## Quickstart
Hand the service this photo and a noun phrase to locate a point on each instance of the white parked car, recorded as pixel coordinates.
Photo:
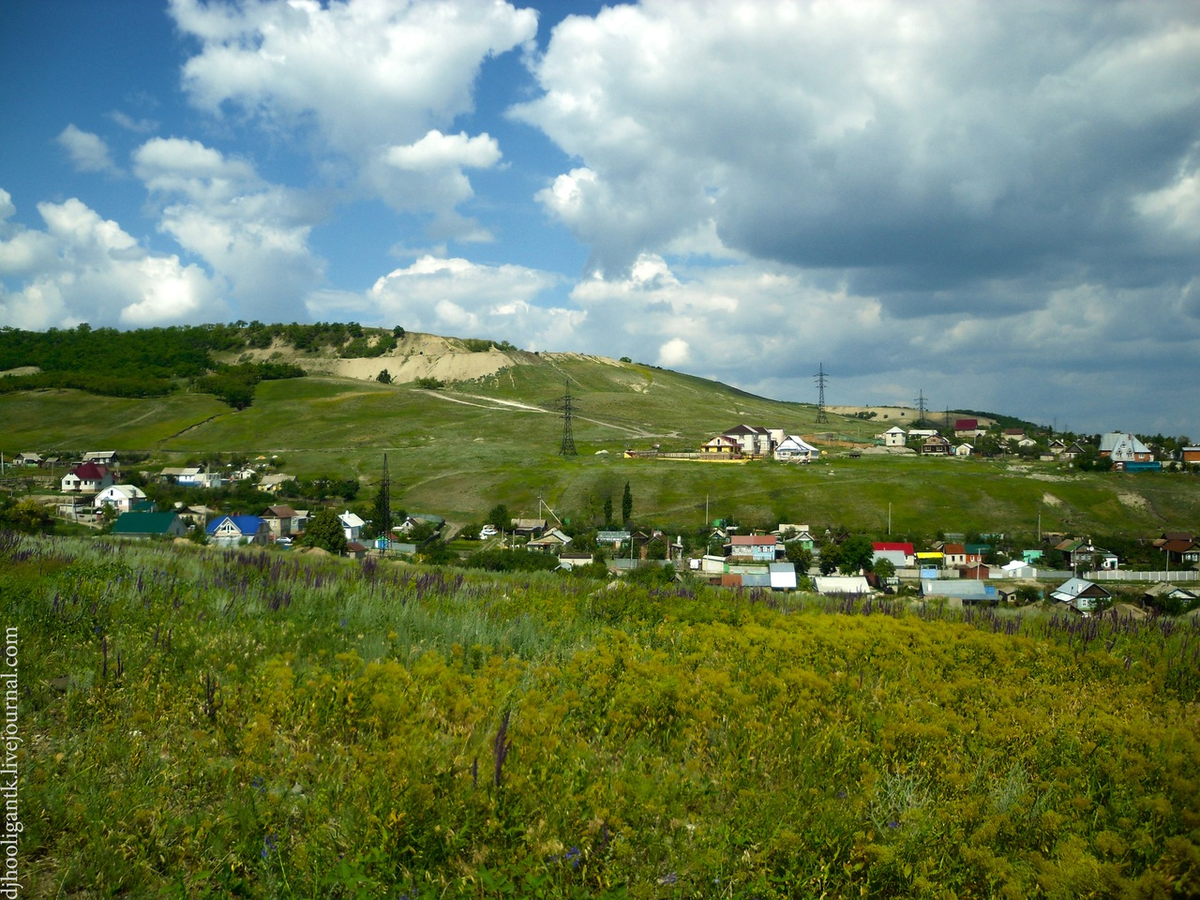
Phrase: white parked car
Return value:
(488, 531)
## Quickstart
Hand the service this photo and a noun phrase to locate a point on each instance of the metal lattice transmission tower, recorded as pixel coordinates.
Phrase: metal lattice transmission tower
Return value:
(384, 510)
(822, 379)
(922, 408)
(568, 439)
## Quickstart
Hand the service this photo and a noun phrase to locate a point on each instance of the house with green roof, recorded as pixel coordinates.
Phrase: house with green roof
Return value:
(149, 524)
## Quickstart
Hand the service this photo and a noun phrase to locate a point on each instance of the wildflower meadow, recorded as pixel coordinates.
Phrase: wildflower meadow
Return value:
(264, 724)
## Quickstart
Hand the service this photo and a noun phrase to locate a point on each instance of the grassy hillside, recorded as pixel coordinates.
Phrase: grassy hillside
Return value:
(248, 724)
(495, 438)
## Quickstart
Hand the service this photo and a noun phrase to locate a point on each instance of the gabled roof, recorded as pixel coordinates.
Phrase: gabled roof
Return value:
(754, 540)
(884, 546)
(90, 471)
(244, 524)
(351, 520)
(746, 429)
(966, 424)
(143, 523)
(1119, 440)
(279, 512)
(1077, 587)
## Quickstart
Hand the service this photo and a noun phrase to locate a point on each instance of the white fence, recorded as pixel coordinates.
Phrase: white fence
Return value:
(1118, 575)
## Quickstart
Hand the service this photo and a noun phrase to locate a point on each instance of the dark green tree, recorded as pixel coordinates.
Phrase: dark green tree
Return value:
(830, 557)
(608, 510)
(499, 517)
(855, 553)
(800, 556)
(626, 504)
(325, 531)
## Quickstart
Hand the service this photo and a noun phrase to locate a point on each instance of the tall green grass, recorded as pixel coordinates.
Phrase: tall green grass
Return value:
(257, 724)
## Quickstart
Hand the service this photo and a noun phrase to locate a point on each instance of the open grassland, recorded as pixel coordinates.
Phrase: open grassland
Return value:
(460, 450)
(210, 724)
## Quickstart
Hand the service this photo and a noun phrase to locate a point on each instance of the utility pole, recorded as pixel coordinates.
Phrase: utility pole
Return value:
(821, 379)
(568, 439)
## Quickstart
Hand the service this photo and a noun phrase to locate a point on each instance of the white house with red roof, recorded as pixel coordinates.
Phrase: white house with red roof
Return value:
(88, 478)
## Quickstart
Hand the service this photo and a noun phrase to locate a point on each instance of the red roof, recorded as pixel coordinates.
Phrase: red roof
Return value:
(966, 424)
(90, 472)
(888, 545)
(957, 549)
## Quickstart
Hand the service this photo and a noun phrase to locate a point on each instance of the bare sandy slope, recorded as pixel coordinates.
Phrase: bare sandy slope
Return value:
(416, 356)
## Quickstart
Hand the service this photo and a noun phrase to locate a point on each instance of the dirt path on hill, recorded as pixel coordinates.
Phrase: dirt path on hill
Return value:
(513, 405)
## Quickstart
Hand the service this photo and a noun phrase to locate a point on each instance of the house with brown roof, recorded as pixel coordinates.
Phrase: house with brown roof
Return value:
(935, 445)
(282, 520)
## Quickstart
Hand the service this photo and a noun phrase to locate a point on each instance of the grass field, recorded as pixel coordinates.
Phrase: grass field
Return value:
(460, 450)
(209, 724)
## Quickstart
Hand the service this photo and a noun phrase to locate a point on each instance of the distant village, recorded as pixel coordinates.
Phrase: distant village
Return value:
(1066, 570)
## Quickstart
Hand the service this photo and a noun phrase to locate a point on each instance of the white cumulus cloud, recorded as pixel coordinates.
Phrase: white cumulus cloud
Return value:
(371, 82)
(252, 233)
(84, 268)
(87, 151)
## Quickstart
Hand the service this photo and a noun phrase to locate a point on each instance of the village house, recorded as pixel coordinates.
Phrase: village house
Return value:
(959, 556)
(121, 497)
(967, 428)
(894, 437)
(149, 524)
(232, 531)
(191, 476)
(754, 440)
(27, 459)
(273, 484)
(550, 541)
(935, 445)
(1181, 549)
(759, 547)
(282, 521)
(1122, 447)
(721, 445)
(899, 554)
(1157, 593)
(87, 478)
(106, 458)
(795, 534)
(794, 449)
(1080, 595)
(352, 525)
(1191, 455)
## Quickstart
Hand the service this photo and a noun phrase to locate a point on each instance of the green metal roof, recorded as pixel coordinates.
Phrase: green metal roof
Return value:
(143, 523)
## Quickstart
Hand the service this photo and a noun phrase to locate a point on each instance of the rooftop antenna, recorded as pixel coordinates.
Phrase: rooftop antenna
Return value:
(568, 440)
(821, 379)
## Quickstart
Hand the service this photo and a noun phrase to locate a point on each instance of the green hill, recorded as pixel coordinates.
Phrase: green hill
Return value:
(491, 433)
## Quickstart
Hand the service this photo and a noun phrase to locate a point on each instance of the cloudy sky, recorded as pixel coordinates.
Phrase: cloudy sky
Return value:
(995, 205)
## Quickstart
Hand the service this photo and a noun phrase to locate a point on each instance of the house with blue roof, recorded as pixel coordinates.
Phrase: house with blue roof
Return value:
(234, 531)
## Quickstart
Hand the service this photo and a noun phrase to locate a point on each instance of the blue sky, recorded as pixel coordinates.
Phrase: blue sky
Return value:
(994, 204)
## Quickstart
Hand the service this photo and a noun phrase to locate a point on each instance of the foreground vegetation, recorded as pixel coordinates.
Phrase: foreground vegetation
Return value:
(261, 724)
